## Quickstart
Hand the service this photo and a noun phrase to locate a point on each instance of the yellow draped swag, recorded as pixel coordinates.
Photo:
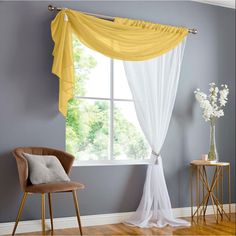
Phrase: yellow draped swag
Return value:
(124, 39)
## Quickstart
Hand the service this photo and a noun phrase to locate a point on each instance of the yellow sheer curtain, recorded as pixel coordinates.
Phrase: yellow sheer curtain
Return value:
(124, 39)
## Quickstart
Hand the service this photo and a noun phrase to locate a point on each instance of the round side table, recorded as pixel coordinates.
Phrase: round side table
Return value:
(207, 188)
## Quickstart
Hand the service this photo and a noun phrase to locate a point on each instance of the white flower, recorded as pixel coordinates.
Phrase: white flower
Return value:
(216, 90)
(222, 102)
(223, 95)
(211, 89)
(213, 103)
(213, 98)
(218, 113)
(200, 96)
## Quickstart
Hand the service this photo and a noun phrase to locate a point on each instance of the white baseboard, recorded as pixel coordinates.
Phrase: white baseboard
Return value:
(91, 220)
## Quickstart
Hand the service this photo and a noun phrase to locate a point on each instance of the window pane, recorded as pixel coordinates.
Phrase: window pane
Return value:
(121, 87)
(129, 141)
(92, 72)
(87, 129)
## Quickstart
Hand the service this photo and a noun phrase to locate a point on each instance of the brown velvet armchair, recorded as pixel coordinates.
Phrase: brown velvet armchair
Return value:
(66, 160)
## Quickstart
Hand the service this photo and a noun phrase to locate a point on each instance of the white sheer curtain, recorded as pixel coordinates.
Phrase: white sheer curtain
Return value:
(153, 84)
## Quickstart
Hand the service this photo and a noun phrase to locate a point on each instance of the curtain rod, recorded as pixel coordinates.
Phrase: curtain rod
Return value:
(110, 18)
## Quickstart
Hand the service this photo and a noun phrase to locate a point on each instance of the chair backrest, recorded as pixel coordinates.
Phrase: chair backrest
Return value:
(65, 158)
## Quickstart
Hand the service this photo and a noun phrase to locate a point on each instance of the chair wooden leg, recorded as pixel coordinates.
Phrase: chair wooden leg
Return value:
(43, 213)
(77, 210)
(20, 211)
(50, 209)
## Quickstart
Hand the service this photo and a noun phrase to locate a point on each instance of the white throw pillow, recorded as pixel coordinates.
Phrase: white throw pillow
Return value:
(45, 169)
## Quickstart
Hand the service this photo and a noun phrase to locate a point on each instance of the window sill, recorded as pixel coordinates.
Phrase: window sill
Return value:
(111, 162)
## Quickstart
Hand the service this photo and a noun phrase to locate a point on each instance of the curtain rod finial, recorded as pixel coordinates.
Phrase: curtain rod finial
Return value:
(51, 8)
(193, 31)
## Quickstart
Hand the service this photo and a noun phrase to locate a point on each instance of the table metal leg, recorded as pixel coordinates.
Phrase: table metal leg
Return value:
(191, 189)
(197, 191)
(217, 196)
(222, 199)
(229, 192)
(203, 195)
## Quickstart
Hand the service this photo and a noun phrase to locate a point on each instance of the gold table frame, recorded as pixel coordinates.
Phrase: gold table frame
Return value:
(206, 189)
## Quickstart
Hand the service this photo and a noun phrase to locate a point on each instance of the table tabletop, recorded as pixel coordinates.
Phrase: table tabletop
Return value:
(208, 163)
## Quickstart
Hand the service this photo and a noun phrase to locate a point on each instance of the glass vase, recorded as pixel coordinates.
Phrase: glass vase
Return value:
(213, 154)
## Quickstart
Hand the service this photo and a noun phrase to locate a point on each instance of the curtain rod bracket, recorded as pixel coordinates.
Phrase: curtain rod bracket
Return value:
(52, 9)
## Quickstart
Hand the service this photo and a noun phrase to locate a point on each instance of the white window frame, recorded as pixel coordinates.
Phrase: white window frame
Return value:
(110, 161)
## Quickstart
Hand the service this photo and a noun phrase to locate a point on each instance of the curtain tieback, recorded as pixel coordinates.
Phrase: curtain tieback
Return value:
(156, 157)
(155, 154)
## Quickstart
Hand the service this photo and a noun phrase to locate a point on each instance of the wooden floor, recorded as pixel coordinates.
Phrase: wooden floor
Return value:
(208, 228)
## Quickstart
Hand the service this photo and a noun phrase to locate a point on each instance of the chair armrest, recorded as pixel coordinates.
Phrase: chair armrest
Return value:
(65, 158)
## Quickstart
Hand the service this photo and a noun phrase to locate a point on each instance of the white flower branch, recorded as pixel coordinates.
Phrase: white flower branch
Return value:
(213, 103)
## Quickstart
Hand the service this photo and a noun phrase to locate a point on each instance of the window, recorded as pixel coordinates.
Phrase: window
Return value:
(101, 124)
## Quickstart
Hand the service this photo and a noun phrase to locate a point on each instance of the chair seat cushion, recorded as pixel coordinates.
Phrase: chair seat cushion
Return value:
(54, 187)
(45, 169)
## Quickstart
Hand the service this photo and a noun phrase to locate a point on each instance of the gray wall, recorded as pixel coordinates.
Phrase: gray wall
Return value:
(29, 93)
